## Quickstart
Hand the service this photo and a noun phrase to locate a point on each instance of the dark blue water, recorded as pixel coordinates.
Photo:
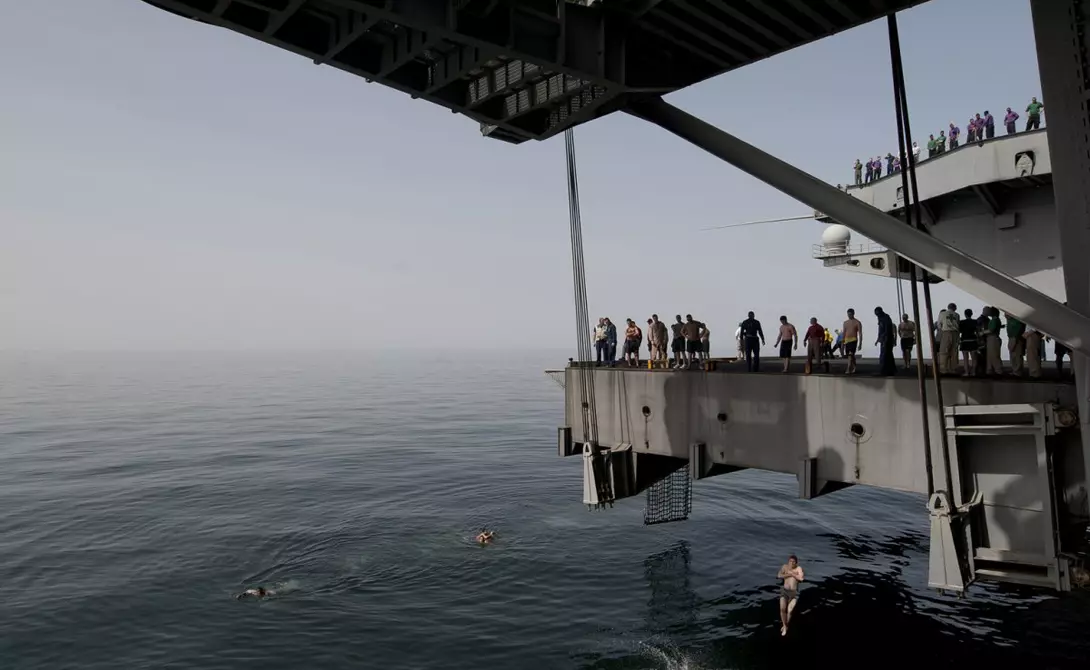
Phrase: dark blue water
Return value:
(139, 491)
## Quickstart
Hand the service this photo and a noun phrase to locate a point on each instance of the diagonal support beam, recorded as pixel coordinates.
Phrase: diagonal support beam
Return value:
(960, 269)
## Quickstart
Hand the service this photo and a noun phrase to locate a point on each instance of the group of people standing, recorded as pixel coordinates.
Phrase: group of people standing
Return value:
(978, 343)
(687, 338)
(978, 129)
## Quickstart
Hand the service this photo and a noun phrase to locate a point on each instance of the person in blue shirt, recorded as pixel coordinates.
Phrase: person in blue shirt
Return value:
(955, 132)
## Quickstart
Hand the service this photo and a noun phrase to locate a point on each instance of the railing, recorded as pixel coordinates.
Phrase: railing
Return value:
(823, 251)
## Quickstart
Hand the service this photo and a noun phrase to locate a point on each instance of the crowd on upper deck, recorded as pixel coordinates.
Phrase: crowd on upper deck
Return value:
(978, 129)
(971, 346)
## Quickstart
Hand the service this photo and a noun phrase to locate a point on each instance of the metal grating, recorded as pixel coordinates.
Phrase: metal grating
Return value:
(557, 376)
(670, 499)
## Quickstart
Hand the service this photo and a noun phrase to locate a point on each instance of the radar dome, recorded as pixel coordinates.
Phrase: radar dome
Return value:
(836, 235)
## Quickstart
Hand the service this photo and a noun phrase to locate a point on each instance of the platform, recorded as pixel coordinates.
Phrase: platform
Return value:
(1015, 450)
(529, 69)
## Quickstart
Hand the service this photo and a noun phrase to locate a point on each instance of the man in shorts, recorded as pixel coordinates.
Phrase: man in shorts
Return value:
(677, 344)
(787, 336)
(907, 331)
(791, 574)
(691, 332)
(853, 335)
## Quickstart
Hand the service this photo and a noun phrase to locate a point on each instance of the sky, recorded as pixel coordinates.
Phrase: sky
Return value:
(168, 185)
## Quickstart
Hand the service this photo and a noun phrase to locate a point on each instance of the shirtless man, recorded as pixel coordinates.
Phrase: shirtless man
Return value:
(788, 336)
(258, 593)
(691, 332)
(632, 338)
(678, 343)
(791, 574)
(853, 336)
(485, 537)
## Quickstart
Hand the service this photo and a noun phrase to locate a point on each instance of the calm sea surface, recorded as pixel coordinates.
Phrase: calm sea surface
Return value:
(138, 492)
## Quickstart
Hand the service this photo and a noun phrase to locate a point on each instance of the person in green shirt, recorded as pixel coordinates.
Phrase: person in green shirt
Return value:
(858, 172)
(1016, 343)
(991, 335)
(931, 144)
(940, 142)
(1033, 114)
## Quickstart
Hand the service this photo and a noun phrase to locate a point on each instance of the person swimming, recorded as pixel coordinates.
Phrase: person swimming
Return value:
(258, 593)
(485, 537)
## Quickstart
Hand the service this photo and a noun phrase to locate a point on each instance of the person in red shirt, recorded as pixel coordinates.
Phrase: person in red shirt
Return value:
(814, 339)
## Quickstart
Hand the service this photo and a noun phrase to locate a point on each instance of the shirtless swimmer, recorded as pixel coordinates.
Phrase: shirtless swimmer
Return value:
(791, 574)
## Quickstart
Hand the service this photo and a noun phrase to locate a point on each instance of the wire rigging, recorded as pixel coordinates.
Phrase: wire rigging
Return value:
(583, 333)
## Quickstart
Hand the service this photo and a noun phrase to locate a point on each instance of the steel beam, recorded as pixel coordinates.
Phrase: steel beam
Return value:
(756, 26)
(960, 269)
(776, 16)
(360, 26)
(278, 21)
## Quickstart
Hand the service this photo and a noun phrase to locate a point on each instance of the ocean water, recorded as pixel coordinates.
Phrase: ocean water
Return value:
(138, 492)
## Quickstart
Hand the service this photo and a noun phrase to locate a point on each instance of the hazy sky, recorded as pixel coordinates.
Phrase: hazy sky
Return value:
(170, 185)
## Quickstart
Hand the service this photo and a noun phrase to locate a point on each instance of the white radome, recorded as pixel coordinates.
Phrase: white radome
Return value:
(836, 236)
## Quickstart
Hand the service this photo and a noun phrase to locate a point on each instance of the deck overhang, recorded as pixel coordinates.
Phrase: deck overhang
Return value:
(528, 69)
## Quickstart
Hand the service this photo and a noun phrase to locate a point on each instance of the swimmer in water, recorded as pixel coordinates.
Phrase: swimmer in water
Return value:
(791, 574)
(485, 537)
(259, 592)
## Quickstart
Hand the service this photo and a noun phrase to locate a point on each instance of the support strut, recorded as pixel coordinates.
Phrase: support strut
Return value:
(967, 273)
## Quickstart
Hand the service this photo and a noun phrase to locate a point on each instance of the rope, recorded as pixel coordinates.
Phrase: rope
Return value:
(908, 174)
(582, 324)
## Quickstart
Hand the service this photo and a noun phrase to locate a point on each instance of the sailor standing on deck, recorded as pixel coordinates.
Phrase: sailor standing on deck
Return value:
(786, 337)
(853, 336)
(887, 334)
(752, 339)
(815, 343)
(948, 325)
(907, 331)
(659, 337)
(678, 343)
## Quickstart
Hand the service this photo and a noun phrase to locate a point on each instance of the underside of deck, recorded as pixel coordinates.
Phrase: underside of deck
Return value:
(528, 69)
